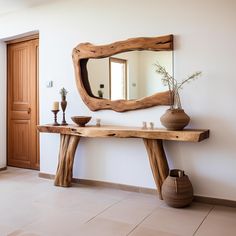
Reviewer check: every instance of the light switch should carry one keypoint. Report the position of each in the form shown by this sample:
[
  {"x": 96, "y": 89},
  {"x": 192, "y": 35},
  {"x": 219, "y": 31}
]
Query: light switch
[{"x": 49, "y": 84}]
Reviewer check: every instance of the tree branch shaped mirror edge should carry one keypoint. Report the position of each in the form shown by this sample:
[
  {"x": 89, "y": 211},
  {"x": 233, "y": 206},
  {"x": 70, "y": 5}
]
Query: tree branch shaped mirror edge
[{"x": 85, "y": 52}]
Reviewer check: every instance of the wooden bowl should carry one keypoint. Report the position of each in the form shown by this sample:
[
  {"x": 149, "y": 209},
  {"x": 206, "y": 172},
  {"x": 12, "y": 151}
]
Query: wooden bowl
[{"x": 81, "y": 120}]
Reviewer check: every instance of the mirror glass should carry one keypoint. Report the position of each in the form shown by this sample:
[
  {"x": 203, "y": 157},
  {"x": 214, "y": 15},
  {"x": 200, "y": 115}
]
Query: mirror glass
[{"x": 128, "y": 75}]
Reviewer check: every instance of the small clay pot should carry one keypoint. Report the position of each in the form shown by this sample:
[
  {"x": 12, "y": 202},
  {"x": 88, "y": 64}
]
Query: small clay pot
[
  {"x": 175, "y": 119},
  {"x": 177, "y": 190}
]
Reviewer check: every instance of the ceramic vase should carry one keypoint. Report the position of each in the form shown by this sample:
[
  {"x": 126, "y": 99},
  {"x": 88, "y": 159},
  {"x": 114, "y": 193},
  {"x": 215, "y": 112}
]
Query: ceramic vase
[{"x": 175, "y": 119}]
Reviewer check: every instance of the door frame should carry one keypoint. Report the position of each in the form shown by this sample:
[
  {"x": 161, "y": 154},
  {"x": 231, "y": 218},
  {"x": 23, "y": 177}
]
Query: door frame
[{"x": 18, "y": 40}]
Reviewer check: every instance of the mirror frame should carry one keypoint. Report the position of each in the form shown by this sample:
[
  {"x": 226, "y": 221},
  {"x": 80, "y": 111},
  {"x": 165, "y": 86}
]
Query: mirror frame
[{"x": 84, "y": 51}]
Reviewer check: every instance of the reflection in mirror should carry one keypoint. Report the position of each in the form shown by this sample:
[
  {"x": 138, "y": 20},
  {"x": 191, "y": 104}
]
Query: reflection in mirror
[{"x": 128, "y": 75}]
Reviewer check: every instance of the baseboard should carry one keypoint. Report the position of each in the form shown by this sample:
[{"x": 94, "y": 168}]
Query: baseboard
[
  {"x": 124, "y": 187},
  {"x": 215, "y": 201},
  {"x": 3, "y": 168},
  {"x": 201, "y": 199},
  {"x": 46, "y": 176},
  {"x": 105, "y": 184}
]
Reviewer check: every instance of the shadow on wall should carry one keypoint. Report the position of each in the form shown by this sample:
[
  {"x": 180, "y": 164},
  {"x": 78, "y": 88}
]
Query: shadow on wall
[
  {"x": 218, "y": 144},
  {"x": 220, "y": 131},
  {"x": 201, "y": 160}
]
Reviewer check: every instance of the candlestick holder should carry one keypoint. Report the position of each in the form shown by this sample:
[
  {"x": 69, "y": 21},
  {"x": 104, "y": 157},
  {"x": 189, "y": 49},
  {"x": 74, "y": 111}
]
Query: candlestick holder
[
  {"x": 151, "y": 125},
  {"x": 63, "y": 107},
  {"x": 55, "y": 117}
]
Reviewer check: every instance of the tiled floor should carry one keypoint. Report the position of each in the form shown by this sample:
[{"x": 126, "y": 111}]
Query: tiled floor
[{"x": 30, "y": 206}]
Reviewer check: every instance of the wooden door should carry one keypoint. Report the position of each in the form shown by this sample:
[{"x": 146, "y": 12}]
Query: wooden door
[{"x": 22, "y": 66}]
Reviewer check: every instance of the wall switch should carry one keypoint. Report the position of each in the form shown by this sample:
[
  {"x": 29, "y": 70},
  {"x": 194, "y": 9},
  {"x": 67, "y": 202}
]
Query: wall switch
[{"x": 49, "y": 84}]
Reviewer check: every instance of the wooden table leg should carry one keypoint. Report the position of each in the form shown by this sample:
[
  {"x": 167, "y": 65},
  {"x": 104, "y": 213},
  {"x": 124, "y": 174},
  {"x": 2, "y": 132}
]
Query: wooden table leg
[
  {"x": 68, "y": 145},
  {"x": 158, "y": 161}
]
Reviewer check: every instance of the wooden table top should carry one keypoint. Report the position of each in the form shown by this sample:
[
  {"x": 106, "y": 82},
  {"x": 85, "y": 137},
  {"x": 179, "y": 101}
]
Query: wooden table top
[{"x": 191, "y": 135}]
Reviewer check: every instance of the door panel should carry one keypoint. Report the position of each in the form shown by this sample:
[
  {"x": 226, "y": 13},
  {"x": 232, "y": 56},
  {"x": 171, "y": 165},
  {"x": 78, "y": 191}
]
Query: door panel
[
  {"x": 20, "y": 140},
  {"x": 22, "y": 104}
]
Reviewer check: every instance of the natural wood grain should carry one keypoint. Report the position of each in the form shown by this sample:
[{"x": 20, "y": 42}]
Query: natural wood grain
[
  {"x": 22, "y": 103},
  {"x": 127, "y": 132},
  {"x": 68, "y": 147},
  {"x": 153, "y": 140},
  {"x": 158, "y": 161},
  {"x": 83, "y": 52}
]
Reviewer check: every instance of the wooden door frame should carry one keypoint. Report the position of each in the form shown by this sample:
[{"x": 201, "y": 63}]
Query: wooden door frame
[{"x": 18, "y": 40}]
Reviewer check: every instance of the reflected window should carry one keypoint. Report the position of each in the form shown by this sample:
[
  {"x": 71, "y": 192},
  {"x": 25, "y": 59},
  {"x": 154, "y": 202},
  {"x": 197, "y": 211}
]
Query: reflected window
[{"x": 118, "y": 78}]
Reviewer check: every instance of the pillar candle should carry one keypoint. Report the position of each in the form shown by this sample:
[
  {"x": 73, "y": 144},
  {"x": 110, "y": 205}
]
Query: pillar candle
[{"x": 55, "y": 106}]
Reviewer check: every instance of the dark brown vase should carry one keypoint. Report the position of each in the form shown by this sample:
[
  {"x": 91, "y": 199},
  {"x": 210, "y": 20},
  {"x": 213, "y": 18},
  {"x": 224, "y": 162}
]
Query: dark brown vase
[
  {"x": 177, "y": 190},
  {"x": 175, "y": 119}
]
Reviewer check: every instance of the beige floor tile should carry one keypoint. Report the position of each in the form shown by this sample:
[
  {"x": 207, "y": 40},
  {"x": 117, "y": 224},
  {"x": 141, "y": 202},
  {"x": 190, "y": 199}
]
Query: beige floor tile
[
  {"x": 94, "y": 205},
  {"x": 177, "y": 221},
  {"x": 84, "y": 202},
  {"x": 143, "y": 231},
  {"x": 19, "y": 213},
  {"x": 59, "y": 222},
  {"x": 147, "y": 199},
  {"x": 104, "y": 227},
  {"x": 221, "y": 221},
  {"x": 131, "y": 211},
  {"x": 23, "y": 233},
  {"x": 32, "y": 206},
  {"x": 113, "y": 193},
  {"x": 5, "y": 229}
]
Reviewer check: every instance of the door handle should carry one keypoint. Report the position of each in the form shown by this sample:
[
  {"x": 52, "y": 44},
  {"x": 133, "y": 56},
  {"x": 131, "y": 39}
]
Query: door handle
[{"x": 29, "y": 110}]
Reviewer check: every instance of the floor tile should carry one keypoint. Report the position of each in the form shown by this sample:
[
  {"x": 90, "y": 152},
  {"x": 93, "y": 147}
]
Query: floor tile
[
  {"x": 143, "y": 231},
  {"x": 104, "y": 227},
  {"x": 131, "y": 210},
  {"x": 113, "y": 193},
  {"x": 59, "y": 222},
  {"x": 5, "y": 229},
  {"x": 220, "y": 221},
  {"x": 32, "y": 206},
  {"x": 23, "y": 233},
  {"x": 177, "y": 221}
]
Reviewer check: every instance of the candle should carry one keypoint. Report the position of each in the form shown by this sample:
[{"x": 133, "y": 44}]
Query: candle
[{"x": 55, "y": 106}]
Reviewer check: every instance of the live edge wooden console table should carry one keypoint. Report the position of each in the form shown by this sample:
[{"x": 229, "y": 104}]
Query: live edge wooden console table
[{"x": 153, "y": 140}]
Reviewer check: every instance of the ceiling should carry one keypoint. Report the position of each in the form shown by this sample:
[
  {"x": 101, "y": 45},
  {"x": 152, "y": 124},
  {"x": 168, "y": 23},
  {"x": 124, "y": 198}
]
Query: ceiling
[{"x": 8, "y": 6}]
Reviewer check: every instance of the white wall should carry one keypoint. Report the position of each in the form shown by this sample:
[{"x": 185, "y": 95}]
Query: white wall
[
  {"x": 2, "y": 105},
  {"x": 205, "y": 37},
  {"x": 132, "y": 72},
  {"x": 150, "y": 82},
  {"x": 98, "y": 73}
]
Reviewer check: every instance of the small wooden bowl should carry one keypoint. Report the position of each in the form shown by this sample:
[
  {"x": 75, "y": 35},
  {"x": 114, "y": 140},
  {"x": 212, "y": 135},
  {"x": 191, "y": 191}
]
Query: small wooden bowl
[{"x": 81, "y": 120}]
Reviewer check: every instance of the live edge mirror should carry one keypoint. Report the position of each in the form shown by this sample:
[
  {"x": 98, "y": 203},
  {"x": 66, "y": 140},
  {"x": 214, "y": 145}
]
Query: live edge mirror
[{"x": 121, "y": 76}]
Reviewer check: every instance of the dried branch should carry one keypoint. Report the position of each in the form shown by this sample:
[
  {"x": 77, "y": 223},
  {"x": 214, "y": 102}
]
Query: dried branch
[{"x": 173, "y": 85}]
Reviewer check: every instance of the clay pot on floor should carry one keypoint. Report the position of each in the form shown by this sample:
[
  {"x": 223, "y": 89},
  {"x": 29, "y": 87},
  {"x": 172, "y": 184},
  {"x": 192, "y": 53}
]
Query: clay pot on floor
[
  {"x": 175, "y": 119},
  {"x": 177, "y": 190}
]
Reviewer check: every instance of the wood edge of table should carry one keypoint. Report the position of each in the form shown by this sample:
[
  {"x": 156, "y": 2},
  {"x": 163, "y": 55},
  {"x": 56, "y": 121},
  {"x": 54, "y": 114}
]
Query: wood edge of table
[{"x": 189, "y": 135}]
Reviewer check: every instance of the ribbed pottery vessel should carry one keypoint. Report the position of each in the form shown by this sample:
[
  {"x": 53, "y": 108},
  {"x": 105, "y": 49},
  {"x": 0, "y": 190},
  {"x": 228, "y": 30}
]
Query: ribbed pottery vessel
[
  {"x": 177, "y": 190},
  {"x": 175, "y": 119}
]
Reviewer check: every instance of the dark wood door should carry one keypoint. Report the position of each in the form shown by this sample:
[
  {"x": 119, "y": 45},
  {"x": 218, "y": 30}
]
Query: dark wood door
[{"x": 22, "y": 68}]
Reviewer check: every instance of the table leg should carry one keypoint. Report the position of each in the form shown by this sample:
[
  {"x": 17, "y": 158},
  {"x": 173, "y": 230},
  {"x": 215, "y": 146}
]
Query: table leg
[
  {"x": 158, "y": 161},
  {"x": 68, "y": 145}
]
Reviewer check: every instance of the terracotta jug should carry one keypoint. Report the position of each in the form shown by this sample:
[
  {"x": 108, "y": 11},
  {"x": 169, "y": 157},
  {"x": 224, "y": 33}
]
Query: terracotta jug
[
  {"x": 177, "y": 190},
  {"x": 175, "y": 119}
]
